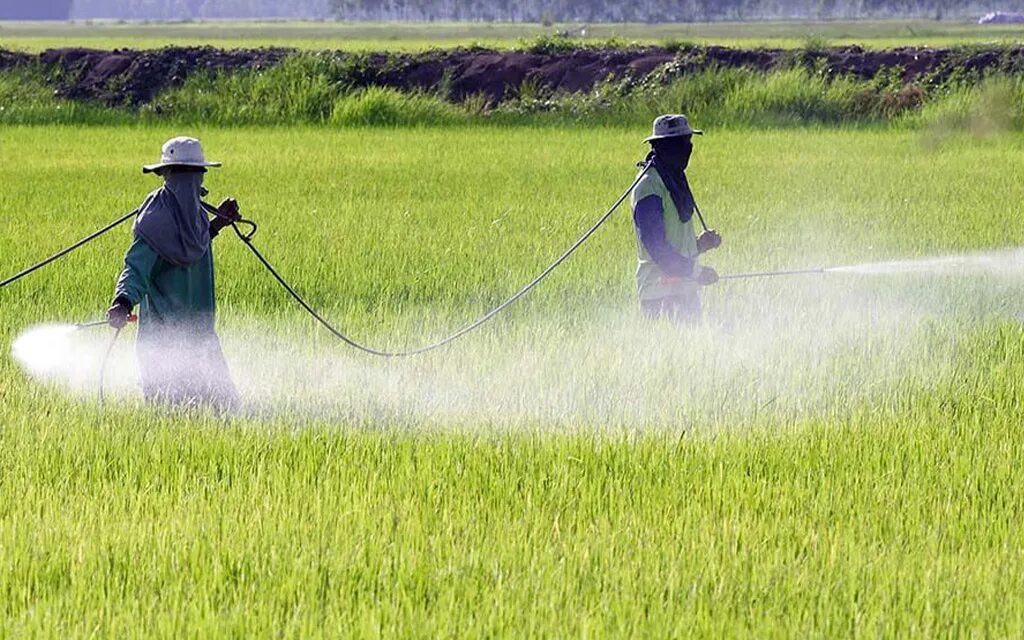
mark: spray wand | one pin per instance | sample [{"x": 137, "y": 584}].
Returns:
[
  {"x": 101, "y": 323},
  {"x": 772, "y": 274}
]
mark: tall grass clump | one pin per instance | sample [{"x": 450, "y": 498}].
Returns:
[
  {"x": 302, "y": 89},
  {"x": 991, "y": 106},
  {"x": 616, "y": 103},
  {"x": 381, "y": 106},
  {"x": 793, "y": 96}
]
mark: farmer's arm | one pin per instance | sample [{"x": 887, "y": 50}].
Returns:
[
  {"x": 650, "y": 223},
  {"x": 134, "y": 281},
  {"x": 228, "y": 213},
  {"x": 216, "y": 225}
]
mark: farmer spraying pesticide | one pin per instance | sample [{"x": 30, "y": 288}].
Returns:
[
  {"x": 168, "y": 273},
  {"x": 168, "y": 270},
  {"x": 668, "y": 275}
]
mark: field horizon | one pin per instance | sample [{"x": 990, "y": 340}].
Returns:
[{"x": 362, "y": 36}]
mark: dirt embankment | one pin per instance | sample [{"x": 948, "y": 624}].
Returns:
[{"x": 128, "y": 77}]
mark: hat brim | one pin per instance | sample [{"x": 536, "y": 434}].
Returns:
[
  {"x": 150, "y": 168},
  {"x": 692, "y": 132}
]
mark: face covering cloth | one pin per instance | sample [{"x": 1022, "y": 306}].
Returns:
[
  {"x": 671, "y": 158},
  {"x": 172, "y": 220}
]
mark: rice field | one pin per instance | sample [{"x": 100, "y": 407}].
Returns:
[{"x": 824, "y": 455}]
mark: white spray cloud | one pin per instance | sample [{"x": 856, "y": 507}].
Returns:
[
  {"x": 788, "y": 348},
  {"x": 70, "y": 357}
]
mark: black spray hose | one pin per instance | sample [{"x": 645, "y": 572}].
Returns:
[
  {"x": 106, "y": 359},
  {"x": 63, "y": 252},
  {"x": 247, "y": 239},
  {"x": 252, "y": 228},
  {"x": 110, "y": 349},
  {"x": 700, "y": 216}
]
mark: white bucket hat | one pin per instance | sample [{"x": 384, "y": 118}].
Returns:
[
  {"x": 672, "y": 125},
  {"x": 180, "y": 152}
]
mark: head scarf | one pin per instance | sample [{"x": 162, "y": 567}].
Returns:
[
  {"x": 172, "y": 220},
  {"x": 675, "y": 181}
]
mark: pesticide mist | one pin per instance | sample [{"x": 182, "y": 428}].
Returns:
[
  {"x": 784, "y": 348},
  {"x": 71, "y": 357},
  {"x": 1009, "y": 262}
]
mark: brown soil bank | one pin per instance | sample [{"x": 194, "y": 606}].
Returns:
[{"x": 128, "y": 77}]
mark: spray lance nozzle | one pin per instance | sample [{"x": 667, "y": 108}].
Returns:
[{"x": 100, "y": 323}]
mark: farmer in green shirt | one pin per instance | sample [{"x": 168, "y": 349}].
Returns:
[
  {"x": 669, "y": 276},
  {"x": 168, "y": 273}
]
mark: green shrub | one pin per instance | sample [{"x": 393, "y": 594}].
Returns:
[{"x": 549, "y": 45}]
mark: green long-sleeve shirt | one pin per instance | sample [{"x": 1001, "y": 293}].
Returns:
[{"x": 168, "y": 295}]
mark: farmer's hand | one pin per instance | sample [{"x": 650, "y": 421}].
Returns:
[
  {"x": 118, "y": 314},
  {"x": 229, "y": 209},
  {"x": 707, "y": 276},
  {"x": 708, "y": 240}
]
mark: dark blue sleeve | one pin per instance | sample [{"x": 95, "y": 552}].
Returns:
[
  {"x": 216, "y": 225},
  {"x": 651, "y": 227}
]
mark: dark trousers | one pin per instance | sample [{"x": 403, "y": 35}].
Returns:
[
  {"x": 186, "y": 370},
  {"x": 682, "y": 308}
]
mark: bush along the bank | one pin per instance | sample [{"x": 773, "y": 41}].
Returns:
[{"x": 967, "y": 87}]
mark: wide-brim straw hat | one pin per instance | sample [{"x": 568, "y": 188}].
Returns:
[
  {"x": 180, "y": 152},
  {"x": 672, "y": 125}
]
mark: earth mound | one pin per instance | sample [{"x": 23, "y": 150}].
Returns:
[{"x": 129, "y": 77}]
